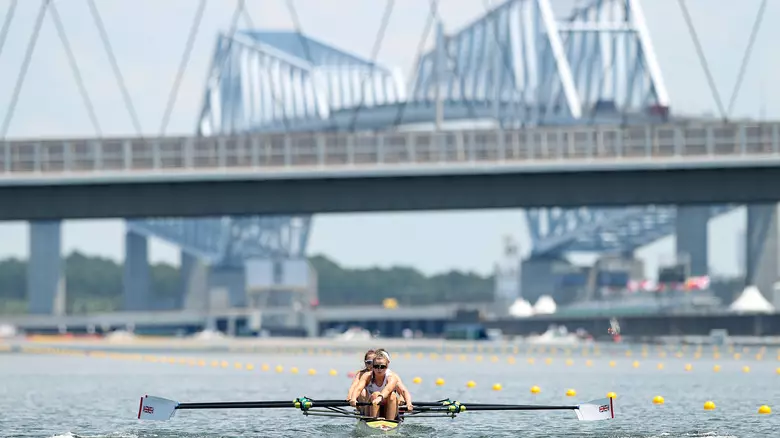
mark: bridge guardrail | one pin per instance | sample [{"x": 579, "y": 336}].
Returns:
[{"x": 60, "y": 158}]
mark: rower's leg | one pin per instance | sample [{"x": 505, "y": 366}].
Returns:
[
  {"x": 375, "y": 409},
  {"x": 363, "y": 398},
  {"x": 391, "y": 407}
]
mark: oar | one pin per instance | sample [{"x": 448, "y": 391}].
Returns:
[
  {"x": 601, "y": 409},
  {"x": 158, "y": 408}
]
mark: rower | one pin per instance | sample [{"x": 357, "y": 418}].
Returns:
[
  {"x": 381, "y": 384},
  {"x": 363, "y": 397}
]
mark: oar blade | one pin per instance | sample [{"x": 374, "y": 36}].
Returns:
[
  {"x": 595, "y": 410},
  {"x": 156, "y": 408}
]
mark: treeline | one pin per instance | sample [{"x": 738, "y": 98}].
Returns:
[{"x": 95, "y": 284}]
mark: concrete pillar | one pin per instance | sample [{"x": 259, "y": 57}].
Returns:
[
  {"x": 691, "y": 230},
  {"x": 231, "y": 279},
  {"x": 761, "y": 258},
  {"x": 137, "y": 281},
  {"x": 194, "y": 283},
  {"x": 45, "y": 280}
]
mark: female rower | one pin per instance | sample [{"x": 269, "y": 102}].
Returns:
[
  {"x": 368, "y": 360},
  {"x": 381, "y": 385}
]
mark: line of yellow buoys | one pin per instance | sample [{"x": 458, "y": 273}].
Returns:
[{"x": 190, "y": 361}]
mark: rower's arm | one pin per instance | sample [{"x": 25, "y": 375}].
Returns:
[
  {"x": 353, "y": 385},
  {"x": 392, "y": 382},
  {"x": 404, "y": 392},
  {"x": 359, "y": 386}
]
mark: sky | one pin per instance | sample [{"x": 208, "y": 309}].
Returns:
[{"x": 148, "y": 38}]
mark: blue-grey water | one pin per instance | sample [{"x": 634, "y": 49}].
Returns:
[{"x": 49, "y": 395}]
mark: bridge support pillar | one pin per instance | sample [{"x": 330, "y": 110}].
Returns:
[
  {"x": 194, "y": 283},
  {"x": 137, "y": 281},
  {"x": 233, "y": 280},
  {"x": 762, "y": 248},
  {"x": 691, "y": 230},
  {"x": 45, "y": 281}
]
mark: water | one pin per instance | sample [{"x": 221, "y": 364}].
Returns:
[{"x": 44, "y": 395}]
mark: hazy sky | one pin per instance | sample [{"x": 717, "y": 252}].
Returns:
[{"x": 148, "y": 37}]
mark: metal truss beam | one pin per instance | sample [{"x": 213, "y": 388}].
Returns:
[
  {"x": 558, "y": 231},
  {"x": 599, "y": 59},
  {"x": 262, "y": 79},
  {"x": 228, "y": 241}
]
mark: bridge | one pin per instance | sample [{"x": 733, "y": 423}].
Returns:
[{"x": 523, "y": 91}]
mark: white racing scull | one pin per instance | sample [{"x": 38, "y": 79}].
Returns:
[{"x": 158, "y": 408}]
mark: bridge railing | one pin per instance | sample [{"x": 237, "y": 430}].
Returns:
[{"x": 59, "y": 158}]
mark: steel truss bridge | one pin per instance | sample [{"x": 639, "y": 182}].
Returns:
[
  {"x": 521, "y": 65},
  {"x": 517, "y": 66}
]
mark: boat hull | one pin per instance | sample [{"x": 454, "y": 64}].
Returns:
[{"x": 385, "y": 427}]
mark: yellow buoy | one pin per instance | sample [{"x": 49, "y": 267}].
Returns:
[
  {"x": 250, "y": 367},
  {"x": 294, "y": 370},
  {"x": 660, "y": 365},
  {"x": 658, "y": 400},
  {"x": 570, "y": 393},
  {"x": 635, "y": 364},
  {"x": 764, "y": 409},
  {"x": 611, "y": 395},
  {"x": 439, "y": 381},
  {"x": 417, "y": 380},
  {"x": 746, "y": 369},
  {"x": 471, "y": 384},
  {"x": 535, "y": 390},
  {"x": 265, "y": 367},
  {"x": 279, "y": 368},
  {"x": 588, "y": 363},
  {"x": 708, "y": 405},
  {"x": 497, "y": 387},
  {"x": 688, "y": 367},
  {"x": 777, "y": 371},
  {"x": 312, "y": 371},
  {"x": 569, "y": 362},
  {"x": 612, "y": 363},
  {"x": 333, "y": 372},
  {"x": 716, "y": 368}
]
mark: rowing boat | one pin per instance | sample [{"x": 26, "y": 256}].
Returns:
[{"x": 159, "y": 408}]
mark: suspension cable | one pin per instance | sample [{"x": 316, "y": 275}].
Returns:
[
  {"x": 23, "y": 70},
  {"x": 433, "y": 12},
  {"x": 9, "y": 16},
  {"x": 374, "y": 53},
  {"x": 115, "y": 66},
  {"x": 75, "y": 68},
  {"x": 196, "y": 21},
  {"x": 702, "y": 59},
  {"x": 746, "y": 56}
]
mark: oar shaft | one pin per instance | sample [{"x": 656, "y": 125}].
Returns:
[
  {"x": 259, "y": 404},
  {"x": 486, "y": 407}
]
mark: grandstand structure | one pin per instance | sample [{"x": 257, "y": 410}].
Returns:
[{"x": 522, "y": 64}]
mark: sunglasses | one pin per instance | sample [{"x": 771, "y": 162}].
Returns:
[
  {"x": 380, "y": 367},
  {"x": 369, "y": 362}
]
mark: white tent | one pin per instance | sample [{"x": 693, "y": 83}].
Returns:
[
  {"x": 521, "y": 309},
  {"x": 545, "y": 305},
  {"x": 751, "y": 301}
]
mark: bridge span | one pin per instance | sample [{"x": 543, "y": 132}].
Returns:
[{"x": 310, "y": 173}]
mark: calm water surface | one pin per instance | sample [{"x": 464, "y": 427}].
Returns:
[{"x": 67, "y": 396}]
